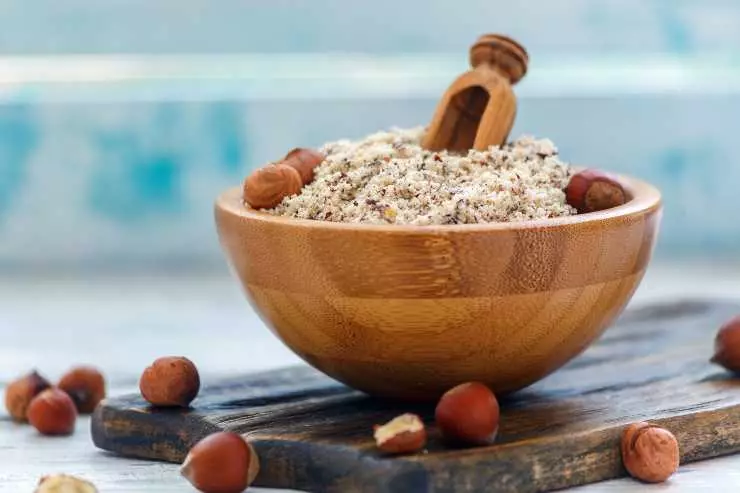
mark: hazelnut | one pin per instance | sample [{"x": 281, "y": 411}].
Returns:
[
  {"x": 403, "y": 434},
  {"x": 52, "y": 412},
  {"x": 649, "y": 453},
  {"x": 593, "y": 190},
  {"x": 21, "y": 392},
  {"x": 727, "y": 345},
  {"x": 223, "y": 462},
  {"x": 63, "y": 483},
  {"x": 468, "y": 414},
  {"x": 267, "y": 187},
  {"x": 86, "y": 386},
  {"x": 170, "y": 381},
  {"x": 304, "y": 161}
]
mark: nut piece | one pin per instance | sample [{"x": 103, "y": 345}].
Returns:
[
  {"x": 727, "y": 345},
  {"x": 403, "y": 434},
  {"x": 86, "y": 386},
  {"x": 304, "y": 161},
  {"x": 21, "y": 392},
  {"x": 170, "y": 381},
  {"x": 649, "y": 453},
  {"x": 63, "y": 483},
  {"x": 593, "y": 190},
  {"x": 267, "y": 187},
  {"x": 468, "y": 414},
  {"x": 223, "y": 462},
  {"x": 52, "y": 412}
]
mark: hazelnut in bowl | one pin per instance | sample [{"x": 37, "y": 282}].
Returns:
[{"x": 409, "y": 311}]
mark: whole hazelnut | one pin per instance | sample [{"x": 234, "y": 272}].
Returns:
[
  {"x": 21, "y": 392},
  {"x": 593, "y": 190},
  {"x": 304, "y": 161},
  {"x": 171, "y": 381},
  {"x": 52, "y": 412},
  {"x": 727, "y": 345},
  {"x": 223, "y": 462},
  {"x": 468, "y": 414},
  {"x": 64, "y": 483},
  {"x": 85, "y": 385},
  {"x": 267, "y": 187},
  {"x": 649, "y": 453},
  {"x": 403, "y": 434}
]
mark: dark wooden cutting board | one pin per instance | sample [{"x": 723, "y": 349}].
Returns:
[{"x": 314, "y": 434}]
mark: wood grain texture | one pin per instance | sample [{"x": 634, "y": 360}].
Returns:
[
  {"x": 407, "y": 312},
  {"x": 479, "y": 107},
  {"x": 316, "y": 435}
]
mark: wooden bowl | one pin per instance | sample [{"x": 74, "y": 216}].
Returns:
[{"x": 409, "y": 311}]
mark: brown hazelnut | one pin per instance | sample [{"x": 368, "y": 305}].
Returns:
[
  {"x": 170, "y": 382},
  {"x": 52, "y": 412},
  {"x": 21, "y": 392},
  {"x": 85, "y": 385},
  {"x": 468, "y": 414},
  {"x": 403, "y": 434},
  {"x": 304, "y": 161},
  {"x": 223, "y": 462},
  {"x": 64, "y": 483},
  {"x": 649, "y": 453},
  {"x": 267, "y": 187},
  {"x": 593, "y": 190},
  {"x": 727, "y": 345}
]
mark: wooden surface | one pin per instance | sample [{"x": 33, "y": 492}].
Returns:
[
  {"x": 479, "y": 108},
  {"x": 408, "y": 312},
  {"x": 314, "y": 434}
]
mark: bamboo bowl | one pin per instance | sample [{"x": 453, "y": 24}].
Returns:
[{"x": 410, "y": 311}]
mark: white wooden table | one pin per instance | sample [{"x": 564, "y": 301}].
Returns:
[{"x": 122, "y": 324}]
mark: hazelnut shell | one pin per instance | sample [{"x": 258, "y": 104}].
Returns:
[
  {"x": 594, "y": 190},
  {"x": 267, "y": 187},
  {"x": 223, "y": 462},
  {"x": 649, "y": 453},
  {"x": 85, "y": 385},
  {"x": 52, "y": 412},
  {"x": 20, "y": 393},
  {"x": 468, "y": 414},
  {"x": 171, "y": 381}
]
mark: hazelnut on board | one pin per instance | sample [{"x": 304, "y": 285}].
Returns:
[
  {"x": 64, "y": 483},
  {"x": 52, "y": 412},
  {"x": 304, "y": 161},
  {"x": 21, "y": 392},
  {"x": 403, "y": 434},
  {"x": 649, "y": 453},
  {"x": 727, "y": 345},
  {"x": 267, "y": 187},
  {"x": 85, "y": 385},
  {"x": 468, "y": 414},
  {"x": 593, "y": 190},
  {"x": 223, "y": 462},
  {"x": 171, "y": 381}
]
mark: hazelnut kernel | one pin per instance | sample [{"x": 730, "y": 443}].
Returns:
[
  {"x": 304, "y": 161},
  {"x": 267, "y": 187},
  {"x": 403, "y": 434},
  {"x": 64, "y": 483},
  {"x": 727, "y": 345},
  {"x": 649, "y": 453},
  {"x": 85, "y": 385},
  {"x": 52, "y": 412},
  {"x": 468, "y": 414},
  {"x": 21, "y": 392},
  {"x": 171, "y": 381},
  {"x": 223, "y": 462},
  {"x": 593, "y": 190}
]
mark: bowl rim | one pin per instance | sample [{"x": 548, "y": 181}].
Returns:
[{"x": 644, "y": 199}]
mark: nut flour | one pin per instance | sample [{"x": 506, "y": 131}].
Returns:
[{"x": 387, "y": 177}]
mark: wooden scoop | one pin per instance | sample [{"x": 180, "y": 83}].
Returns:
[{"x": 479, "y": 108}]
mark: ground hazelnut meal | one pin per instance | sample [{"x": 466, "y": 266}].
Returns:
[{"x": 388, "y": 178}]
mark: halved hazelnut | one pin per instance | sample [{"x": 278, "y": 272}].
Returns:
[{"x": 403, "y": 434}]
